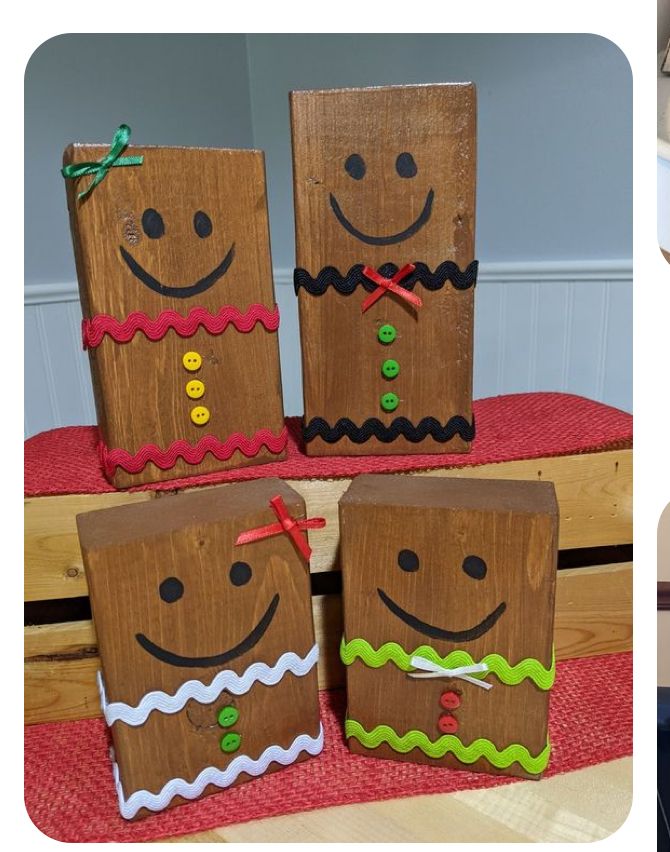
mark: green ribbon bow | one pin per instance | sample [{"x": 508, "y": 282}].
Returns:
[{"x": 99, "y": 170}]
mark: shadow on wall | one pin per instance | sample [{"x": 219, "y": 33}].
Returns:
[{"x": 663, "y": 24}]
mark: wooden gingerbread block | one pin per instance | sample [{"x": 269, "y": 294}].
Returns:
[
  {"x": 448, "y": 613},
  {"x": 180, "y": 320},
  {"x": 384, "y": 186},
  {"x": 207, "y": 646}
]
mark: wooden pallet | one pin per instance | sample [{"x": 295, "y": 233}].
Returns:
[{"x": 593, "y": 608}]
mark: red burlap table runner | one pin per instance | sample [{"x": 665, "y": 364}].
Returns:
[
  {"x": 70, "y": 796},
  {"x": 512, "y": 427}
]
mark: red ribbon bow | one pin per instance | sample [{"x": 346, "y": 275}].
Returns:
[
  {"x": 389, "y": 284},
  {"x": 285, "y": 524}
]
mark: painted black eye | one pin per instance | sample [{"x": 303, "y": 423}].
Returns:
[
  {"x": 408, "y": 560},
  {"x": 240, "y": 573},
  {"x": 405, "y": 165},
  {"x": 171, "y": 589},
  {"x": 152, "y": 223},
  {"x": 354, "y": 166},
  {"x": 474, "y": 567},
  {"x": 202, "y": 224}
]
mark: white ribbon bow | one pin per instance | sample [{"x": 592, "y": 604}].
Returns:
[{"x": 430, "y": 669}]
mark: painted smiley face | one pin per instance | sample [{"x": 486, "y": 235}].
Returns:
[
  {"x": 476, "y": 569},
  {"x": 153, "y": 226},
  {"x": 406, "y": 168},
  {"x": 171, "y": 590}
]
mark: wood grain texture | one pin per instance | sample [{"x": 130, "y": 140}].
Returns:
[
  {"x": 139, "y": 386},
  {"x": 594, "y": 492},
  {"x": 53, "y": 565},
  {"x": 341, "y": 354},
  {"x": 577, "y": 807},
  {"x": 129, "y": 553},
  {"x": 511, "y": 528},
  {"x": 60, "y": 689},
  {"x": 593, "y": 616},
  {"x": 76, "y": 639}
]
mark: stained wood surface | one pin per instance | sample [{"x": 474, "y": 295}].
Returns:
[
  {"x": 663, "y": 595},
  {"x": 577, "y": 807},
  {"x": 140, "y": 386},
  {"x": 482, "y": 551},
  {"x": 130, "y": 552},
  {"x": 594, "y": 492},
  {"x": 341, "y": 354},
  {"x": 593, "y": 616}
]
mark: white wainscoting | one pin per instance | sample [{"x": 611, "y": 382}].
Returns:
[{"x": 562, "y": 326}]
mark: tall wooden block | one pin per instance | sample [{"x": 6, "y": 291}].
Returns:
[
  {"x": 207, "y": 647},
  {"x": 180, "y": 321},
  {"x": 448, "y": 612},
  {"x": 384, "y": 186}
]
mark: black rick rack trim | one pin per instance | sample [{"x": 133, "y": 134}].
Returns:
[
  {"x": 330, "y": 276},
  {"x": 373, "y": 427}
]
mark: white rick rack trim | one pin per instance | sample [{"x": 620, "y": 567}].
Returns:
[
  {"x": 219, "y": 777},
  {"x": 117, "y": 711}
]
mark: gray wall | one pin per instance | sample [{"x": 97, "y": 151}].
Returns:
[
  {"x": 170, "y": 89},
  {"x": 554, "y": 129},
  {"x": 554, "y": 193}
]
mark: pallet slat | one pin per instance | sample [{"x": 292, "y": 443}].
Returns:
[
  {"x": 593, "y": 617},
  {"x": 53, "y": 563},
  {"x": 58, "y": 691},
  {"x": 594, "y": 493},
  {"x": 67, "y": 639},
  {"x": 594, "y": 611}
]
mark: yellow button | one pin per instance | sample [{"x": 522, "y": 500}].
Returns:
[
  {"x": 192, "y": 361},
  {"x": 200, "y": 415},
  {"x": 195, "y": 389}
]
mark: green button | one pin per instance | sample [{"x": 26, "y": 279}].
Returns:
[
  {"x": 387, "y": 333},
  {"x": 389, "y": 401},
  {"x": 228, "y": 716},
  {"x": 390, "y": 368},
  {"x": 231, "y": 742}
]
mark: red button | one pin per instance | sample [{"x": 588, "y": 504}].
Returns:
[
  {"x": 450, "y": 700},
  {"x": 447, "y": 724}
]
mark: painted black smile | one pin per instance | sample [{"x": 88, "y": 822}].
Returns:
[
  {"x": 178, "y": 292},
  {"x": 437, "y": 632},
  {"x": 217, "y": 659},
  {"x": 424, "y": 216}
]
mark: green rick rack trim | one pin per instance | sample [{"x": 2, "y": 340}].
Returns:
[
  {"x": 392, "y": 652},
  {"x": 449, "y": 744}
]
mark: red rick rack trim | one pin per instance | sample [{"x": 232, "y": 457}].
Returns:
[
  {"x": 94, "y": 329},
  {"x": 193, "y": 454}
]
